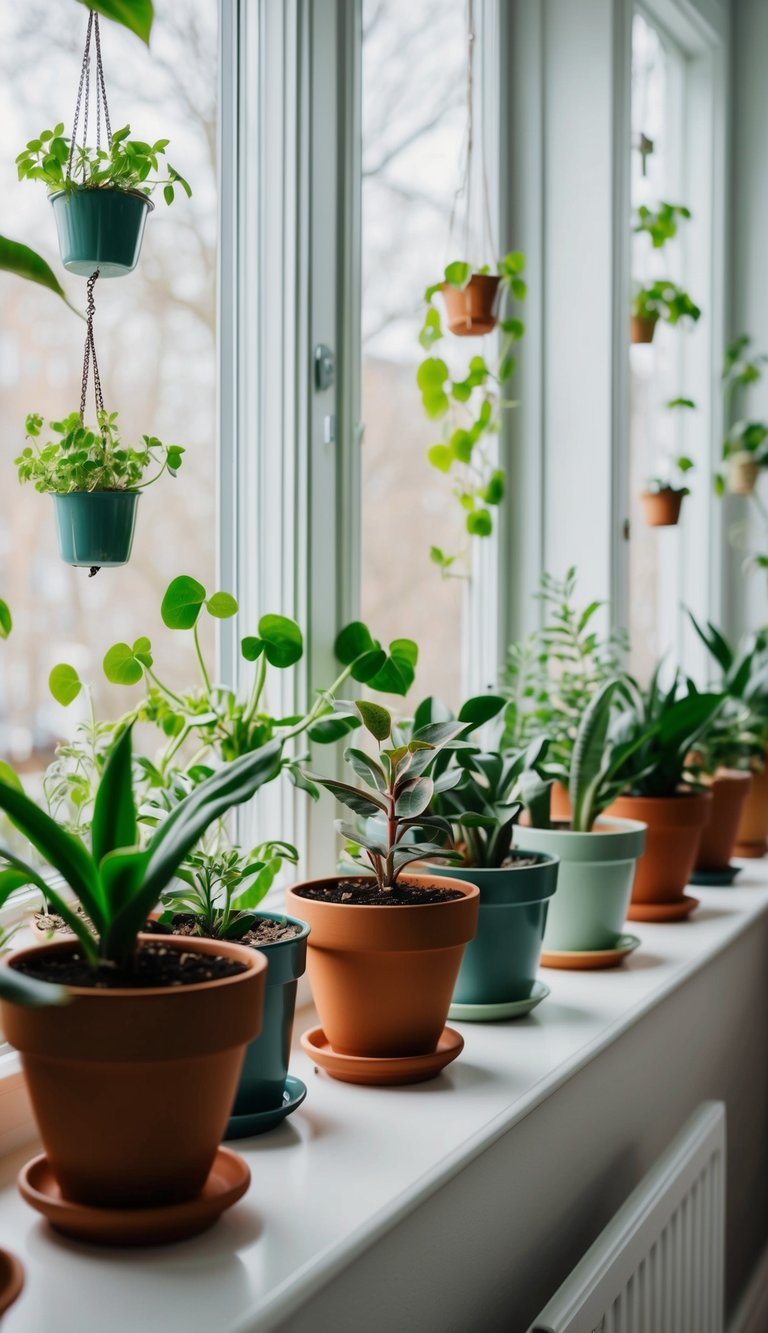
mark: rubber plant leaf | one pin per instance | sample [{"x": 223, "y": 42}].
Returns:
[{"x": 25, "y": 263}]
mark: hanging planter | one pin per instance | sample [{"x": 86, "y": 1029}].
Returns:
[
  {"x": 743, "y": 472},
  {"x": 659, "y": 299},
  {"x": 642, "y": 328},
  {"x": 94, "y": 479},
  {"x": 471, "y": 309},
  {"x": 100, "y": 196},
  {"x": 662, "y": 508}
]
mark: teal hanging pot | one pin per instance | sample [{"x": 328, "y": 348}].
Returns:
[
  {"x": 594, "y": 882},
  {"x": 95, "y": 528},
  {"x": 262, "y": 1080},
  {"x": 499, "y": 965},
  {"x": 100, "y": 228}
]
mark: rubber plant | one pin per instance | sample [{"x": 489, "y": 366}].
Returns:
[
  {"x": 148, "y": 1136},
  {"x": 100, "y": 194},
  {"x": 660, "y": 788},
  {"x": 470, "y": 403},
  {"x": 597, "y": 861},
  {"x": 369, "y": 1005}
]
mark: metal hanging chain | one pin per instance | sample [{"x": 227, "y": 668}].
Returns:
[
  {"x": 464, "y": 189},
  {"x": 90, "y": 354},
  {"x": 83, "y": 93}
]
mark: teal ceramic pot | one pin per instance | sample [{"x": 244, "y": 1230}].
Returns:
[
  {"x": 594, "y": 881},
  {"x": 266, "y": 1058},
  {"x": 500, "y": 963},
  {"x": 96, "y": 527},
  {"x": 100, "y": 229}
]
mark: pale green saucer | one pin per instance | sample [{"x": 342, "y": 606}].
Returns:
[{"x": 494, "y": 1013}]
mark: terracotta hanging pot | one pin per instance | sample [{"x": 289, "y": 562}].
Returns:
[
  {"x": 730, "y": 789},
  {"x": 471, "y": 310},
  {"x": 132, "y": 1088},
  {"x": 675, "y": 827},
  {"x": 383, "y": 977},
  {"x": 743, "y": 473},
  {"x": 752, "y": 835},
  {"x": 662, "y": 508},
  {"x": 642, "y": 328}
]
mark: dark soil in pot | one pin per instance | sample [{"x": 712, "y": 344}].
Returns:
[
  {"x": 361, "y": 893},
  {"x": 266, "y": 930},
  {"x": 153, "y": 966}
]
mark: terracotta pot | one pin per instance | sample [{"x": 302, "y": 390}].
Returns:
[
  {"x": 471, "y": 310},
  {"x": 752, "y": 834},
  {"x": 11, "y": 1280},
  {"x": 559, "y": 804},
  {"x": 383, "y": 977},
  {"x": 662, "y": 508},
  {"x": 642, "y": 328},
  {"x": 730, "y": 789},
  {"x": 743, "y": 473},
  {"x": 675, "y": 825},
  {"x": 132, "y": 1089}
]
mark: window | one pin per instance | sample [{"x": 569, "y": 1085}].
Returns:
[
  {"x": 413, "y": 126},
  {"x": 156, "y": 342}
]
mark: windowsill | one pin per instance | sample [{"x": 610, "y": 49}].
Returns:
[{"x": 354, "y": 1161}]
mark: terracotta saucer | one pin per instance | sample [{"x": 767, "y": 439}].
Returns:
[
  {"x": 674, "y": 911},
  {"x": 11, "y": 1279},
  {"x": 382, "y": 1072},
  {"x": 590, "y": 960},
  {"x": 495, "y": 1013},
  {"x": 229, "y": 1178},
  {"x": 259, "y": 1122},
  {"x": 716, "y": 878}
]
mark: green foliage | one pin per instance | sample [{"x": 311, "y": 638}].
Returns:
[
  {"x": 64, "y": 684},
  {"x": 740, "y": 733},
  {"x": 749, "y": 437},
  {"x": 221, "y": 889},
  {"x": 660, "y": 224},
  {"x": 6, "y": 620},
  {"x": 396, "y": 807},
  {"x": 663, "y": 727},
  {"x": 663, "y": 299},
  {"x": 136, "y": 15},
  {"x": 673, "y": 480},
  {"x": 79, "y": 458},
  {"x": 127, "y": 165},
  {"x": 25, "y": 263},
  {"x": 470, "y": 405},
  {"x": 117, "y": 883}
]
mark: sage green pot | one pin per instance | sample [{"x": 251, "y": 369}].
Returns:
[
  {"x": 95, "y": 528},
  {"x": 265, "y": 1068},
  {"x": 100, "y": 228},
  {"x": 594, "y": 881},
  {"x": 500, "y": 963}
]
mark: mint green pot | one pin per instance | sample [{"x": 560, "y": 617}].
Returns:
[
  {"x": 594, "y": 881},
  {"x": 100, "y": 229},
  {"x": 95, "y": 528},
  {"x": 500, "y": 963},
  {"x": 262, "y": 1080}
]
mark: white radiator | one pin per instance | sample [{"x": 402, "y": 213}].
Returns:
[{"x": 658, "y": 1266}]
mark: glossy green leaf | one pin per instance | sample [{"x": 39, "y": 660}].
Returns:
[
  {"x": 25, "y": 263},
  {"x": 282, "y": 639},
  {"x": 114, "y": 812},
  {"x": 352, "y": 641},
  {"x": 222, "y": 605},
  {"x": 136, "y": 15},
  {"x": 481, "y": 708},
  {"x": 64, "y": 684},
  {"x": 124, "y": 665},
  {"x": 414, "y": 797},
  {"x": 376, "y": 720},
  {"x": 182, "y": 602},
  {"x": 6, "y": 620}
]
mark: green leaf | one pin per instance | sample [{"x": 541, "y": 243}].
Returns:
[
  {"x": 366, "y": 767},
  {"x": 328, "y": 730},
  {"x": 25, "y": 263},
  {"x": 414, "y": 797},
  {"x": 136, "y": 15},
  {"x": 124, "y": 665},
  {"x": 493, "y": 493},
  {"x": 182, "y": 602},
  {"x": 61, "y": 850},
  {"x": 283, "y": 643},
  {"x": 360, "y": 801},
  {"x": 251, "y": 648},
  {"x": 114, "y": 812},
  {"x": 17, "y": 988},
  {"x": 64, "y": 684},
  {"x": 440, "y": 457},
  {"x": 458, "y": 273},
  {"x": 352, "y": 641},
  {"x": 397, "y": 673},
  {"x": 222, "y": 605},
  {"x": 6, "y": 620},
  {"x": 479, "y": 523},
  {"x": 376, "y": 720},
  {"x": 431, "y": 710},
  {"x": 481, "y": 708},
  {"x": 460, "y": 445}
]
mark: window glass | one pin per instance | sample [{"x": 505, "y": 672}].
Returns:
[
  {"x": 413, "y": 124},
  {"x": 155, "y": 338},
  {"x": 656, "y": 368}
]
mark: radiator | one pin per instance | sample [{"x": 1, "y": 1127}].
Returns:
[{"x": 658, "y": 1266}]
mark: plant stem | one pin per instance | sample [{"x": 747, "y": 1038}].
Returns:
[
  {"x": 164, "y": 689},
  {"x": 258, "y": 687},
  {"x": 203, "y": 670}
]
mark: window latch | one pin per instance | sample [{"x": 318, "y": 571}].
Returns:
[{"x": 325, "y": 366}]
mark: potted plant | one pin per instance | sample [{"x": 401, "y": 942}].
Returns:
[
  {"x": 659, "y": 299},
  {"x": 746, "y": 454},
  {"x": 132, "y": 1082},
  {"x": 95, "y": 481},
  {"x": 216, "y": 897},
  {"x": 470, "y": 403},
  {"x": 660, "y": 224},
  {"x": 597, "y": 855},
  {"x": 100, "y": 197},
  {"x": 743, "y": 678},
  {"x": 721, "y": 763},
  {"x": 497, "y": 977},
  {"x": 658, "y": 787},
  {"x": 663, "y": 497},
  {"x": 385, "y": 950},
  {"x": 471, "y": 296}
]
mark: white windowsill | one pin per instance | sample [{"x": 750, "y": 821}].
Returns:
[{"x": 353, "y": 1161}]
